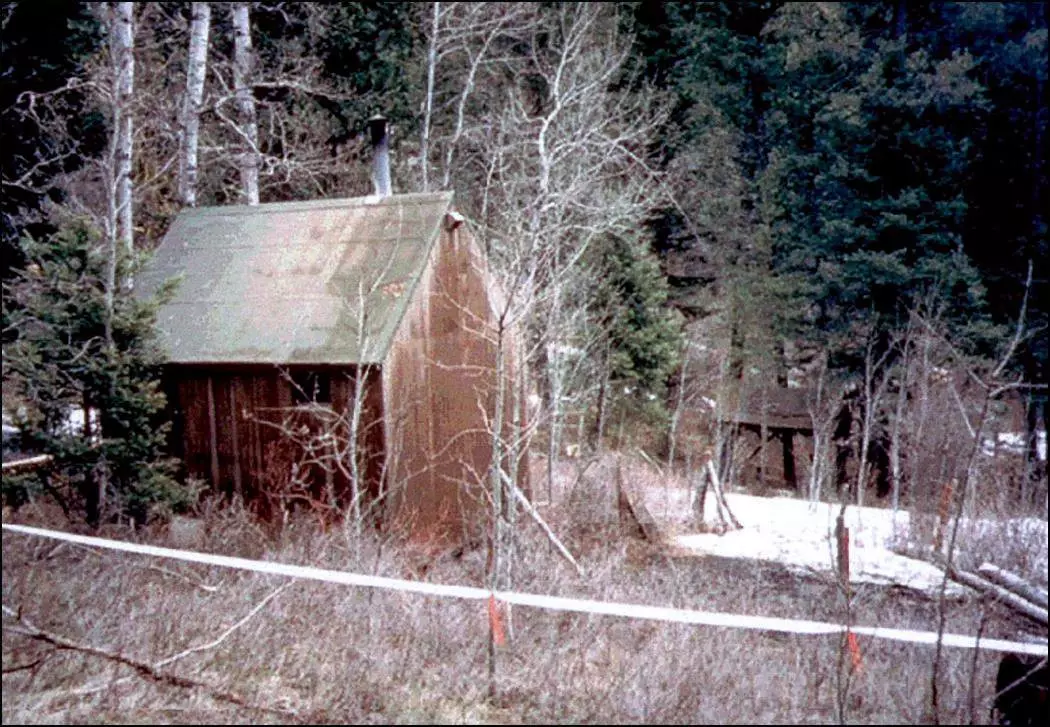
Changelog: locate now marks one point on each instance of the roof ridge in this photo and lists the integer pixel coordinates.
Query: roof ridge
(419, 198)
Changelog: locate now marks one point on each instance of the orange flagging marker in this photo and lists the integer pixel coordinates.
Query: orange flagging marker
(495, 622)
(854, 651)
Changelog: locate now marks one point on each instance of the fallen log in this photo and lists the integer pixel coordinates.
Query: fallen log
(1019, 604)
(1015, 583)
(632, 506)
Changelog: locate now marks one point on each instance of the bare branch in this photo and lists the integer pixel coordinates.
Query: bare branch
(27, 628)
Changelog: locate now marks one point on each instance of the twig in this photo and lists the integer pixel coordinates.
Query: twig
(159, 569)
(225, 634)
(23, 667)
(151, 671)
(199, 584)
(539, 521)
(650, 460)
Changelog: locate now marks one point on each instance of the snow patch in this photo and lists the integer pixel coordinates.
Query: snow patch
(800, 535)
(1013, 443)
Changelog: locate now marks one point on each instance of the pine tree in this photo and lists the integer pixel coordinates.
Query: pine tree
(62, 360)
(644, 334)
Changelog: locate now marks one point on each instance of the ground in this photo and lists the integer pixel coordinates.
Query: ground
(297, 651)
(800, 535)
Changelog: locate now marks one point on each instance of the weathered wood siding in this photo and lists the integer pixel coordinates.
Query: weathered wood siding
(227, 425)
(440, 381)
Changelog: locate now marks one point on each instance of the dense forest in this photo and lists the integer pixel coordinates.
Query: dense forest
(803, 187)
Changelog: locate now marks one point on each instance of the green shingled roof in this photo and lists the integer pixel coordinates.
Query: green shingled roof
(291, 282)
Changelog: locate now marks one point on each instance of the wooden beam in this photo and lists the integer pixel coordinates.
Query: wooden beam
(27, 463)
(627, 496)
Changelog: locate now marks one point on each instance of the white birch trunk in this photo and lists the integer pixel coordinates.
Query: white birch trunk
(123, 48)
(896, 434)
(424, 151)
(196, 70)
(242, 80)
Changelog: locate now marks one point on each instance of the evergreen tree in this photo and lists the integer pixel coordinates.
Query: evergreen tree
(631, 302)
(62, 360)
(864, 192)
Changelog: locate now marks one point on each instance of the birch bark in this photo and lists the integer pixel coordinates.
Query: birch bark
(196, 70)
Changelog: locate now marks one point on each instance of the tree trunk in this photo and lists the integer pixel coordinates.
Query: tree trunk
(424, 150)
(1015, 583)
(196, 69)
(242, 82)
(676, 415)
(841, 439)
(896, 473)
(123, 48)
(900, 18)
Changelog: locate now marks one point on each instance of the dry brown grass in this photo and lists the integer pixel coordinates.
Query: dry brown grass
(325, 653)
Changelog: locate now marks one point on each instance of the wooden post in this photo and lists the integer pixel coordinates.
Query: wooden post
(787, 437)
(943, 512)
(238, 485)
(843, 554)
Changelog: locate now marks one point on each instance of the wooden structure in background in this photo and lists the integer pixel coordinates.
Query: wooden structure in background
(279, 310)
(773, 414)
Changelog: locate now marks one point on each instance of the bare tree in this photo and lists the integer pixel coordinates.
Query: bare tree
(247, 121)
(876, 377)
(823, 412)
(993, 383)
(196, 70)
(124, 56)
(464, 40)
(550, 160)
(287, 151)
(896, 428)
(432, 60)
(565, 168)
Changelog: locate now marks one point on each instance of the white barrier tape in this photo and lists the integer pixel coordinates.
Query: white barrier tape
(554, 603)
(261, 566)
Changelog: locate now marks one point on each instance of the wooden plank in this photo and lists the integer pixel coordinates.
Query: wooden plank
(27, 463)
(635, 508)
(192, 393)
(213, 434)
(225, 443)
(257, 401)
(238, 482)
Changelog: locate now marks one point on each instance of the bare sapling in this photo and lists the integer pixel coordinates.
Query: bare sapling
(992, 384)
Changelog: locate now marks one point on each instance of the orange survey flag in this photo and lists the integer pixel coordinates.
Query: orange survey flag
(495, 622)
(854, 650)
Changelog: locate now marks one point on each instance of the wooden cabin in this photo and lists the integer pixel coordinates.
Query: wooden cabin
(288, 314)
